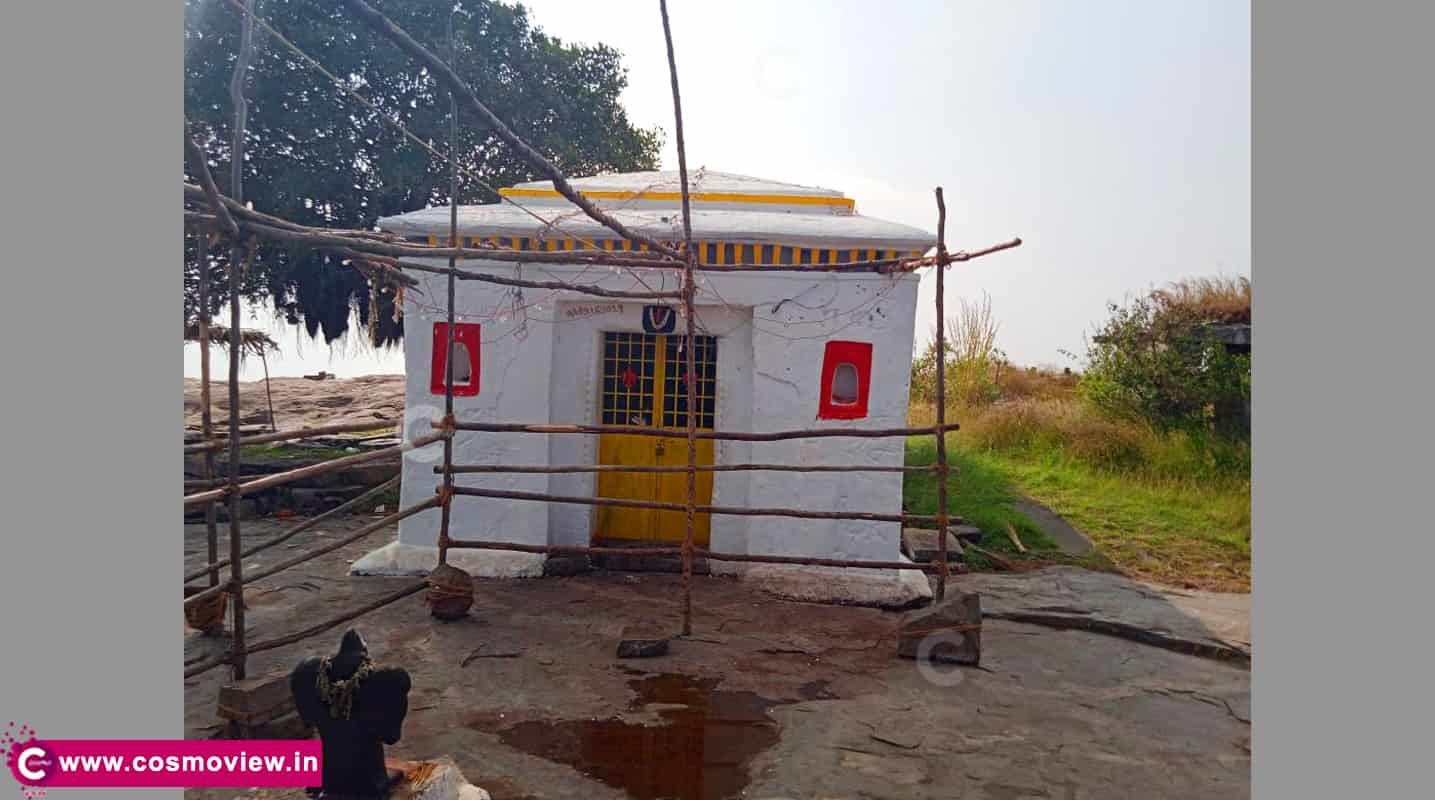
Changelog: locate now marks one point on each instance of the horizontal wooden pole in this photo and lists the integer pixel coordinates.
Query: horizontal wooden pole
(312, 630)
(301, 527)
(775, 436)
(562, 549)
(372, 243)
(577, 550)
(813, 561)
(221, 442)
(567, 286)
(463, 469)
(469, 491)
(432, 502)
(281, 478)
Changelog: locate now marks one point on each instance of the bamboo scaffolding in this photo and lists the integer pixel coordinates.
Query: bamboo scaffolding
(541, 469)
(471, 491)
(219, 443)
(305, 525)
(313, 630)
(330, 547)
(235, 490)
(357, 244)
(773, 436)
(383, 251)
(379, 256)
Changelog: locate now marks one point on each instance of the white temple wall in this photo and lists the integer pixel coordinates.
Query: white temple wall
(540, 363)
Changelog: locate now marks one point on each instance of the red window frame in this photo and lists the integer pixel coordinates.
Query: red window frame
(465, 333)
(859, 355)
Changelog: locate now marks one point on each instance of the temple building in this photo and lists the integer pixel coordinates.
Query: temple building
(783, 344)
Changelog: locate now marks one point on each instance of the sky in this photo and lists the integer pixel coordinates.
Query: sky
(1113, 137)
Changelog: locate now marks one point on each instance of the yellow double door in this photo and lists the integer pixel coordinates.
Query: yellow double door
(645, 383)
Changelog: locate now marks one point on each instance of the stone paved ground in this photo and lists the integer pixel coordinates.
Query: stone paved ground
(1050, 714)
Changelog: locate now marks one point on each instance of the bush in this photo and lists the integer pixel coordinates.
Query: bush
(1063, 428)
(973, 360)
(1149, 362)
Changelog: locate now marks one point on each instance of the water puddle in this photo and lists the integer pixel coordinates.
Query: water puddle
(700, 750)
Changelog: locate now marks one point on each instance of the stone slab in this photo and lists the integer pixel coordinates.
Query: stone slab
(1213, 624)
(921, 545)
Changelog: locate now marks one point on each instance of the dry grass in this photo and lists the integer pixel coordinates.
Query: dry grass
(1016, 383)
(1219, 299)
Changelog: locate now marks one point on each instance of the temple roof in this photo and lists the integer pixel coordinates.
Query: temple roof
(726, 207)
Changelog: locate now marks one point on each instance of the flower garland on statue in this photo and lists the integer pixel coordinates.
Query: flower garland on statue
(339, 695)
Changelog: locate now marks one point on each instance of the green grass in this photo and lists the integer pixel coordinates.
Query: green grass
(979, 493)
(293, 452)
(1168, 506)
(1183, 532)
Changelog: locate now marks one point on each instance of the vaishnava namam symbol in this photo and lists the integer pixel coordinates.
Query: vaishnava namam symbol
(658, 319)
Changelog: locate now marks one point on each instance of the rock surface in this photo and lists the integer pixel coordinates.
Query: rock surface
(1212, 624)
(642, 641)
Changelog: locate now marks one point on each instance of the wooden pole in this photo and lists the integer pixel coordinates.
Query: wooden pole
(290, 435)
(446, 493)
(206, 415)
(236, 188)
(735, 436)
(313, 630)
(268, 397)
(617, 502)
(307, 524)
(942, 471)
(330, 547)
(689, 341)
(756, 558)
(280, 478)
(549, 469)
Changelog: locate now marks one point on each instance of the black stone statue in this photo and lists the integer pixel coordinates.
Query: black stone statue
(358, 708)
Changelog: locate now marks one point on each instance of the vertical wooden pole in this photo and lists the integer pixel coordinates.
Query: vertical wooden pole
(942, 471)
(206, 413)
(689, 343)
(268, 397)
(446, 509)
(237, 258)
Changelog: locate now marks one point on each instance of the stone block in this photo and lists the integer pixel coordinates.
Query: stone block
(950, 631)
(921, 545)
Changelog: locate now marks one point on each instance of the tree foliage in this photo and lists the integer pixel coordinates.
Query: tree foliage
(1150, 361)
(318, 157)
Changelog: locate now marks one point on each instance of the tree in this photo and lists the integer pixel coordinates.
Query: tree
(321, 158)
(1151, 360)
